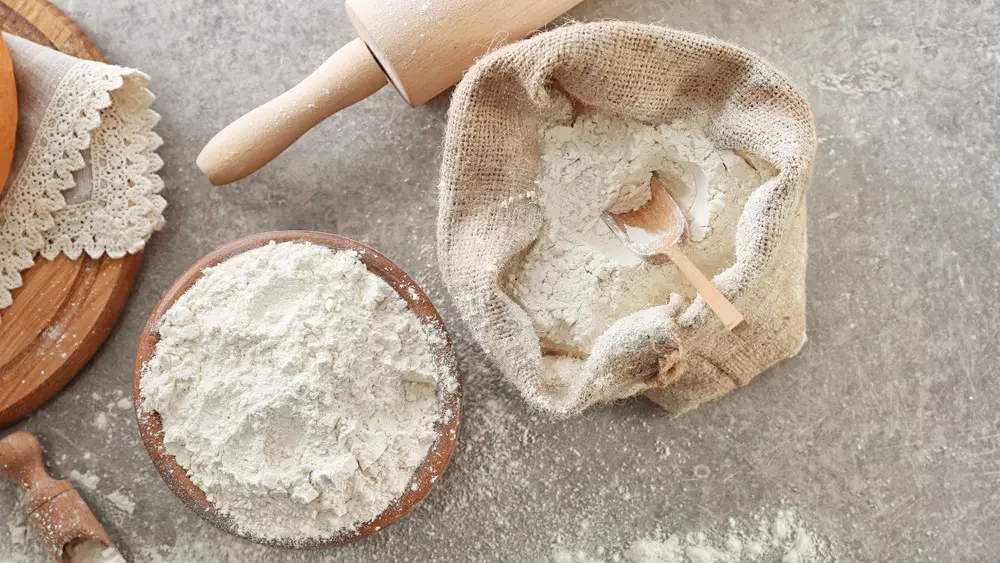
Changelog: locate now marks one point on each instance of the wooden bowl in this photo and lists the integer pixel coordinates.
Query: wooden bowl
(151, 429)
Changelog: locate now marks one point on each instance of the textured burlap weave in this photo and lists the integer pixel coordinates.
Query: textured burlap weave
(679, 354)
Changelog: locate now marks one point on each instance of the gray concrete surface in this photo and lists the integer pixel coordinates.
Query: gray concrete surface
(883, 434)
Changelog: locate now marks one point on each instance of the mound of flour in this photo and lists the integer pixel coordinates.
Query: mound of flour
(296, 388)
(578, 278)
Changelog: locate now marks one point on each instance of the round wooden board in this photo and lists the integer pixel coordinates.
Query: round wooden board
(65, 308)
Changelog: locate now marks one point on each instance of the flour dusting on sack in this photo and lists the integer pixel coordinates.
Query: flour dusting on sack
(578, 278)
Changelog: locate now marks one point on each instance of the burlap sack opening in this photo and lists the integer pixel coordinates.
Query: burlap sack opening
(679, 354)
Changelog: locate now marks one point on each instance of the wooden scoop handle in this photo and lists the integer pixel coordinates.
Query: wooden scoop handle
(53, 508)
(21, 459)
(729, 314)
(349, 76)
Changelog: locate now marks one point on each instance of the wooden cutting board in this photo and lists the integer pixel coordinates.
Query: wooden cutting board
(66, 308)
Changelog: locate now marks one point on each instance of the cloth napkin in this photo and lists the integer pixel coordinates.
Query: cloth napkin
(84, 176)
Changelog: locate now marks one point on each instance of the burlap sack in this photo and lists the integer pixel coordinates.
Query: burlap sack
(678, 354)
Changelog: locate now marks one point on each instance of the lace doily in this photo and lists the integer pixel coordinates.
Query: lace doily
(89, 181)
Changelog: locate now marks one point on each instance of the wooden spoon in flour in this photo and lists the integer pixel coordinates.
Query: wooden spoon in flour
(658, 230)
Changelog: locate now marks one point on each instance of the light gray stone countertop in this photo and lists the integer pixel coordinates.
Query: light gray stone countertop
(883, 435)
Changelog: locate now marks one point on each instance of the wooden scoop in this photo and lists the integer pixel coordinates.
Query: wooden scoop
(53, 509)
(658, 230)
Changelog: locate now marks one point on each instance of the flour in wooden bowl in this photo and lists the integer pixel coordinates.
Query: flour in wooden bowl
(296, 388)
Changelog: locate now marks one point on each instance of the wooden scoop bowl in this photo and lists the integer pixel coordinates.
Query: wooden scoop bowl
(151, 428)
(658, 231)
(54, 510)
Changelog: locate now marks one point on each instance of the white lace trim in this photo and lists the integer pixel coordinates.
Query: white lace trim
(104, 109)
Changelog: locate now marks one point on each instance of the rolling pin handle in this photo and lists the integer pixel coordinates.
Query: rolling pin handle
(21, 459)
(349, 76)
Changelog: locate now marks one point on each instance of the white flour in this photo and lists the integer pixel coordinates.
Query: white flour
(579, 278)
(94, 552)
(777, 538)
(86, 480)
(780, 538)
(296, 388)
(121, 501)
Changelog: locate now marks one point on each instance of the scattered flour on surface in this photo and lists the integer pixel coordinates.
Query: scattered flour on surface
(101, 421)
(94, 552)
(506, 454)
(578, 278)
(296, 388)
(24, 548)
(18, 529)
(86, 480)
(768, 537)
(560, 555)
(121, 501)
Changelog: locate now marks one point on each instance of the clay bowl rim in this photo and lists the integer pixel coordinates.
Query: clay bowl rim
(447, 428)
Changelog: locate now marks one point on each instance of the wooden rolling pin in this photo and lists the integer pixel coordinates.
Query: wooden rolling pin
(53, 509)
(421, 46)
